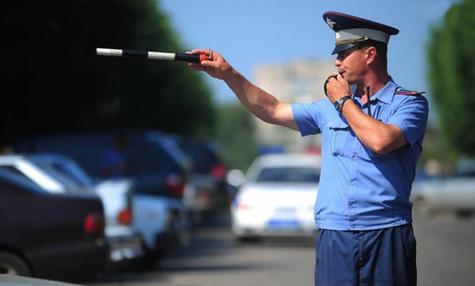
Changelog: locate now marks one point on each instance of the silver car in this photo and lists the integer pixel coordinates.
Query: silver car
(455, 193)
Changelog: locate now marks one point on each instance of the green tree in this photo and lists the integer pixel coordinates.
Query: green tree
(452, 76)
(236, 134)
(52, 81)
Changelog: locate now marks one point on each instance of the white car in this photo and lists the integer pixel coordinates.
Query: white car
(278, 197)
(161, 221)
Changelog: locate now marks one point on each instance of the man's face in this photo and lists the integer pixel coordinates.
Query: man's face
(352, 64)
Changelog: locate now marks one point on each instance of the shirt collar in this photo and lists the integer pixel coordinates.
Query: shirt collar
(385, 94)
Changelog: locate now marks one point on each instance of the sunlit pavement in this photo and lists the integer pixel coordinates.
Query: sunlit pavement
(446, 256)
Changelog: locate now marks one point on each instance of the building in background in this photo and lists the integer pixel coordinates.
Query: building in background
(297, 81)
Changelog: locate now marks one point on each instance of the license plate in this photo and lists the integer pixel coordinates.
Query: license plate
(283, 224)
(285, 211)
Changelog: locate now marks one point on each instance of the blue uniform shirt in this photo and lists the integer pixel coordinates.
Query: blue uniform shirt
(359, 189)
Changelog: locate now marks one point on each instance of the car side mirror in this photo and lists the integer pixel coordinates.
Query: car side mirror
(235, 178)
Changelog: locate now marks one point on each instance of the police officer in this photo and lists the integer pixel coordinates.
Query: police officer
(371, 140)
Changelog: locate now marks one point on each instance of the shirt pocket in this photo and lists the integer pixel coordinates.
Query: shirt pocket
(338, 132)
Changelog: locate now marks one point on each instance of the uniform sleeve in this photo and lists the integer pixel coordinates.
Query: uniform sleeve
(308, 117)
(411, 117)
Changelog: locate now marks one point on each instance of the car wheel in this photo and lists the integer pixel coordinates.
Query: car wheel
(13, 264)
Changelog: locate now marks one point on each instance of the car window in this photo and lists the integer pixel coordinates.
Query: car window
(150, 157)
(465, 168)
(203, 159)
(289, 174)
(13, 180)
(70, 171)
(465, 174)
(14, 171)
(61, 173)
(173, 150)
(74, 172)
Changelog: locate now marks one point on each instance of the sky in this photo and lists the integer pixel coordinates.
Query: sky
(252, 32)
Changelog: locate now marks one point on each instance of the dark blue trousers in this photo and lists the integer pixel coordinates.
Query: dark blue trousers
(375, 257)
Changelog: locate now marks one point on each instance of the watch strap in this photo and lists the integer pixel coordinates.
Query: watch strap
(342, 101)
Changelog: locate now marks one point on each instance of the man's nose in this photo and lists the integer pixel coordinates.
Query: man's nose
(337, 62)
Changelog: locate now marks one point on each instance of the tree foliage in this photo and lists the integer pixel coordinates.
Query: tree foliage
(452, 75)
(236, 134)
(52, 81)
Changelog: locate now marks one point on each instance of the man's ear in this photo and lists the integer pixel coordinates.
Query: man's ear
(371, 55)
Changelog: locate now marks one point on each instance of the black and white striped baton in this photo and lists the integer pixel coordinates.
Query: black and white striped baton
(183, 57)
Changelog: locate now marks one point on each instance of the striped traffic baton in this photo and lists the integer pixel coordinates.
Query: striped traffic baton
(183, 57)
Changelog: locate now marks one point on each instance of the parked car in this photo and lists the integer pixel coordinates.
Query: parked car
(59, 174)
(455, 193)
(205, 192)
(155, 174)
(161, 220)
(277, 198)
(124, 240)
(46, 235)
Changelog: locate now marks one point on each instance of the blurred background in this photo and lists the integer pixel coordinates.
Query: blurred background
(163, 150)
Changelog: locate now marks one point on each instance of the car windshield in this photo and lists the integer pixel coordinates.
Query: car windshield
(289, 174)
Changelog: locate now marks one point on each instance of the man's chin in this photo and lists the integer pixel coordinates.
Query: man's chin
(349, 80)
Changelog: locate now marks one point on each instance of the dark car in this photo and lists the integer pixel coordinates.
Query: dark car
(59, 174)
(206, 192)
(52, 236)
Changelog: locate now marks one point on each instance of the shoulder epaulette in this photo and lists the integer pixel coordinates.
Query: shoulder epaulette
(400, 91)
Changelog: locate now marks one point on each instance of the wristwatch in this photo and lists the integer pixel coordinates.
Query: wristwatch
(339, 103)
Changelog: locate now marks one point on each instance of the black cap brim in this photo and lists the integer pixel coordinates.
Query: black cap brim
(341, 48)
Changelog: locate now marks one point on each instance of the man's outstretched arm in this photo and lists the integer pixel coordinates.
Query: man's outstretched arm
(257, 101)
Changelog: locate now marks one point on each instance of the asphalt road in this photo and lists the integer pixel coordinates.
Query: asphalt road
(446, 256)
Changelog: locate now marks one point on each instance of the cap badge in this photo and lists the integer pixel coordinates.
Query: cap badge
(330, 23)
(337, 36)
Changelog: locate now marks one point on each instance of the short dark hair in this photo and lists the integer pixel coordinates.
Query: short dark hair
(381, 48)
